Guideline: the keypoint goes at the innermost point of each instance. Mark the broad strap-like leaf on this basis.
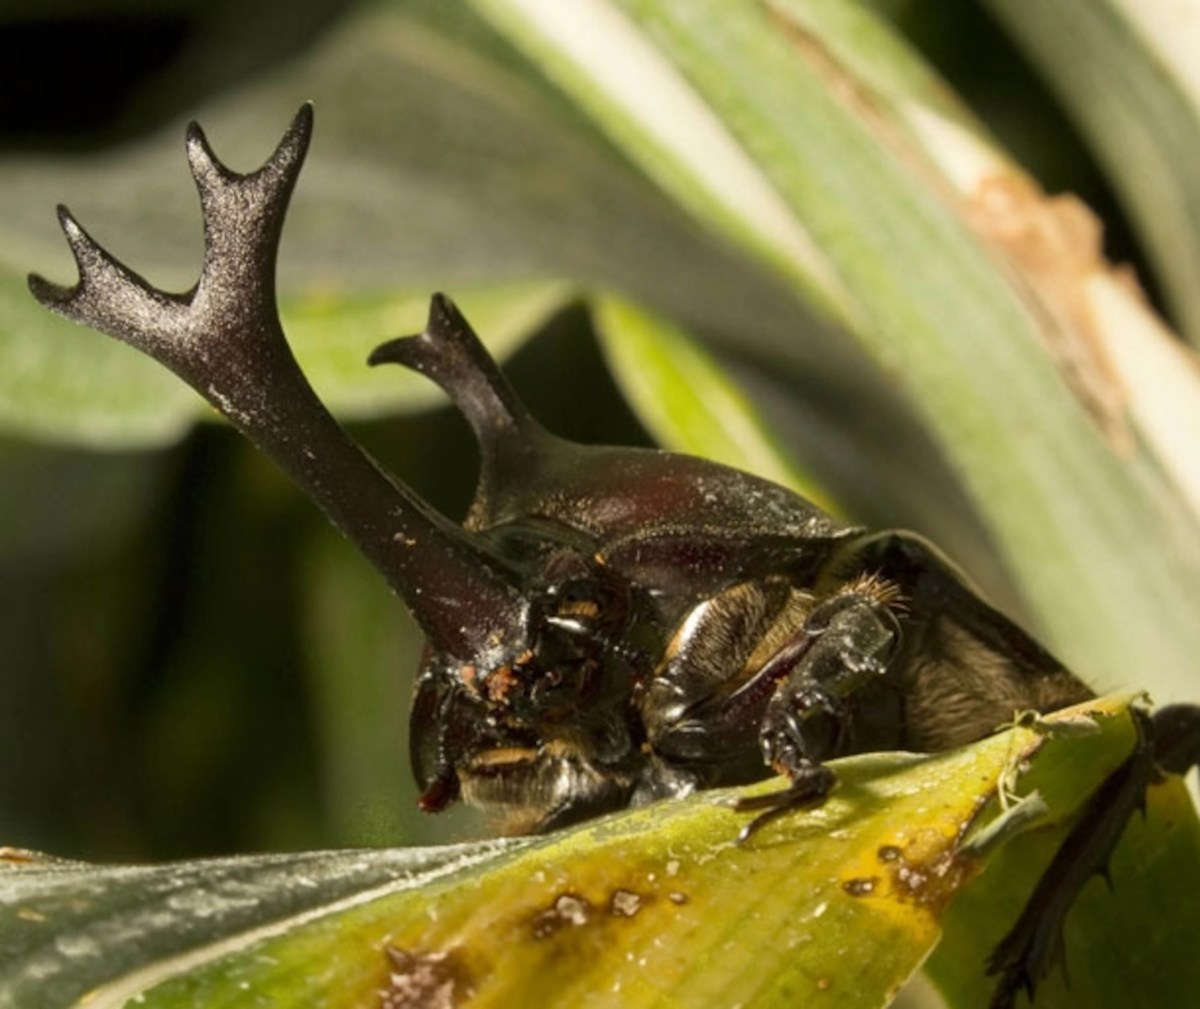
(661, 906)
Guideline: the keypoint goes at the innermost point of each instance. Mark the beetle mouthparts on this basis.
(501, 757)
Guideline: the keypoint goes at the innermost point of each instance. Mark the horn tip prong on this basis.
(46, 292)
(302, 122)
(70, 227)
(201, 158)
(444, 316)
(293, 147)
(391, 352)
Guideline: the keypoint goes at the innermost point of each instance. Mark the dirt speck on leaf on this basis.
(625, 903)
(927, 870)
(861, 886)
(434, 980)
(569, 910)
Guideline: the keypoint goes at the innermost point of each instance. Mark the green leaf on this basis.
(482, 175)
(1128, 945)
(659, 906)
(59, 380)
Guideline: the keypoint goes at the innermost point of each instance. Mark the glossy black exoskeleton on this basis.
(609, 626)
(684, 625)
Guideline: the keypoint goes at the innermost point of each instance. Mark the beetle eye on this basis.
(554, 685)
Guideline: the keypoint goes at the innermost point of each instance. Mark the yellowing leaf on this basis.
(832, 906)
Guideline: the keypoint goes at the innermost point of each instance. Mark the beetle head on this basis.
(541, 733)
(537, 724)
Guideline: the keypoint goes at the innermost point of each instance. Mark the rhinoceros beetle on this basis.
(611, 626)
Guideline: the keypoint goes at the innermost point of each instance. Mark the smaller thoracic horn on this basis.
(224, 339)
(449, 353)
(514, 449)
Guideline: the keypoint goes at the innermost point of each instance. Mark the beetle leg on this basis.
(704, 705)
(847, 646)
(965, 666)
(717, 675)
(1177, 738)
(1168, 740)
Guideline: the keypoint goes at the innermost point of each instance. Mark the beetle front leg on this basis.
(844, 653)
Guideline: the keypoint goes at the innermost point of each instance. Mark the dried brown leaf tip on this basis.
(1054, 244)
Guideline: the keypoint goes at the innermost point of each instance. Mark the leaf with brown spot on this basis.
(834, 906)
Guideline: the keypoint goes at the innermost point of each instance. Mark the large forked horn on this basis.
(224, 339)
